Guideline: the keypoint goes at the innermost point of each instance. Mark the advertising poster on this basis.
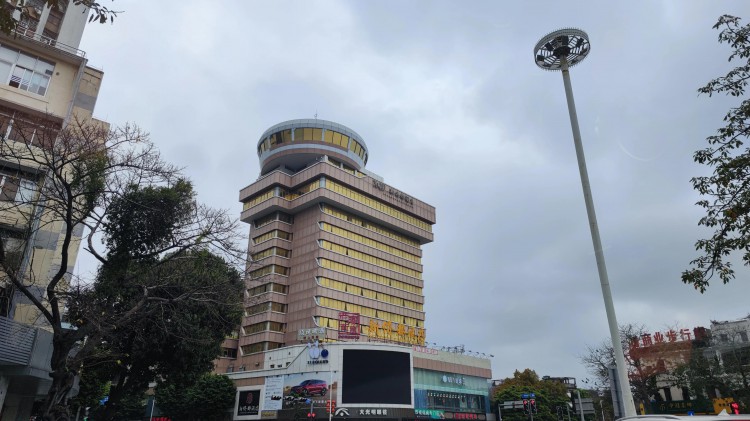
(248, 402)
(274, 394)
(318, 387)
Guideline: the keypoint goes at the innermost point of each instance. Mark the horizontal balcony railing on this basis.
(29, 35)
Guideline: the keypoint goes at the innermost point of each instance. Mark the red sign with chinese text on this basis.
(348, 325)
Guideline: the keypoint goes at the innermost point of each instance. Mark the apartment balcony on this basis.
(28, 34)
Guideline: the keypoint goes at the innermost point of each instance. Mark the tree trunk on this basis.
(56, 403)
(115, 395)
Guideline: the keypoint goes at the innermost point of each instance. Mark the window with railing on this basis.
(228, 353)
(264, 307)
(369, 242)
(370, 276)
(271, 251)
(273, 234)
(264, 327)
(369, 293)
(269, 270)
(355, 254)
(291, 194)
(345, 216)
(269, 287)
(260, 347)
(368, 311)
(258, 199)
(276, 216)
(14, 244)
(22, 127)
(377, 205)
(16, 186)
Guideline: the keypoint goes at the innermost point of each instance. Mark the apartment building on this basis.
(45, 82)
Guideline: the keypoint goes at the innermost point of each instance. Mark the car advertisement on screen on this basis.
(309, 388)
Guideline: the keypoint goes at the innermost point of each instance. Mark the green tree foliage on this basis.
(12, 12)
(700, 375)
(549, 395)
(207, 398)
(176, 340)
(727, 189)
(141, 222)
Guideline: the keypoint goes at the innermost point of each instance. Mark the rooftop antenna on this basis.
(316, 114)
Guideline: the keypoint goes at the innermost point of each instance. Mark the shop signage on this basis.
(310, 333)
(373, 411)
(268, 415)
(343, 412)
(396, 332)
(681, 407)
(348, 325)
(464, 416)
(648, 339)
(454, 380)
(429, 413)
(467, 416)
(390, 191)
(318, 354)
(425, 350)
(247, 404)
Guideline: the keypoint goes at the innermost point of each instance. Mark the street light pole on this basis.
(558, 51)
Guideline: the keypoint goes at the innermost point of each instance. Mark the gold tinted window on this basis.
(286, 136)
(308, 134)
(329, 136)
(317, 134)
(299, 135)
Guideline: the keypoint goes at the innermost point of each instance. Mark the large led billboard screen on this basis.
(376, 377)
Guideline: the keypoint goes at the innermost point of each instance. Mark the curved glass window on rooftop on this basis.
(312, 133)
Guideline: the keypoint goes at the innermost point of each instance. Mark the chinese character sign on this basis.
(395, 332)
(248, 402)
(348, 325)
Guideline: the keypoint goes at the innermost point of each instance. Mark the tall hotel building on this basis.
(326, 237)
(45, 82)
(334, 304)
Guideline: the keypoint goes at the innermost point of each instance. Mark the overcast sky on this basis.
(455, 112)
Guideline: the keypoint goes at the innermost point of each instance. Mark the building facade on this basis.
(364, 380)
(45, 82)
(335, 262)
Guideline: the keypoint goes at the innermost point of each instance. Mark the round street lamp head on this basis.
(562, 48)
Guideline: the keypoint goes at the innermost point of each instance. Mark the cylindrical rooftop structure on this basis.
(295, 144)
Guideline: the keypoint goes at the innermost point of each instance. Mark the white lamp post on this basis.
(558, 51)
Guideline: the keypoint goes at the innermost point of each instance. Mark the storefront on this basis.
(439, 395)
(351, 381)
